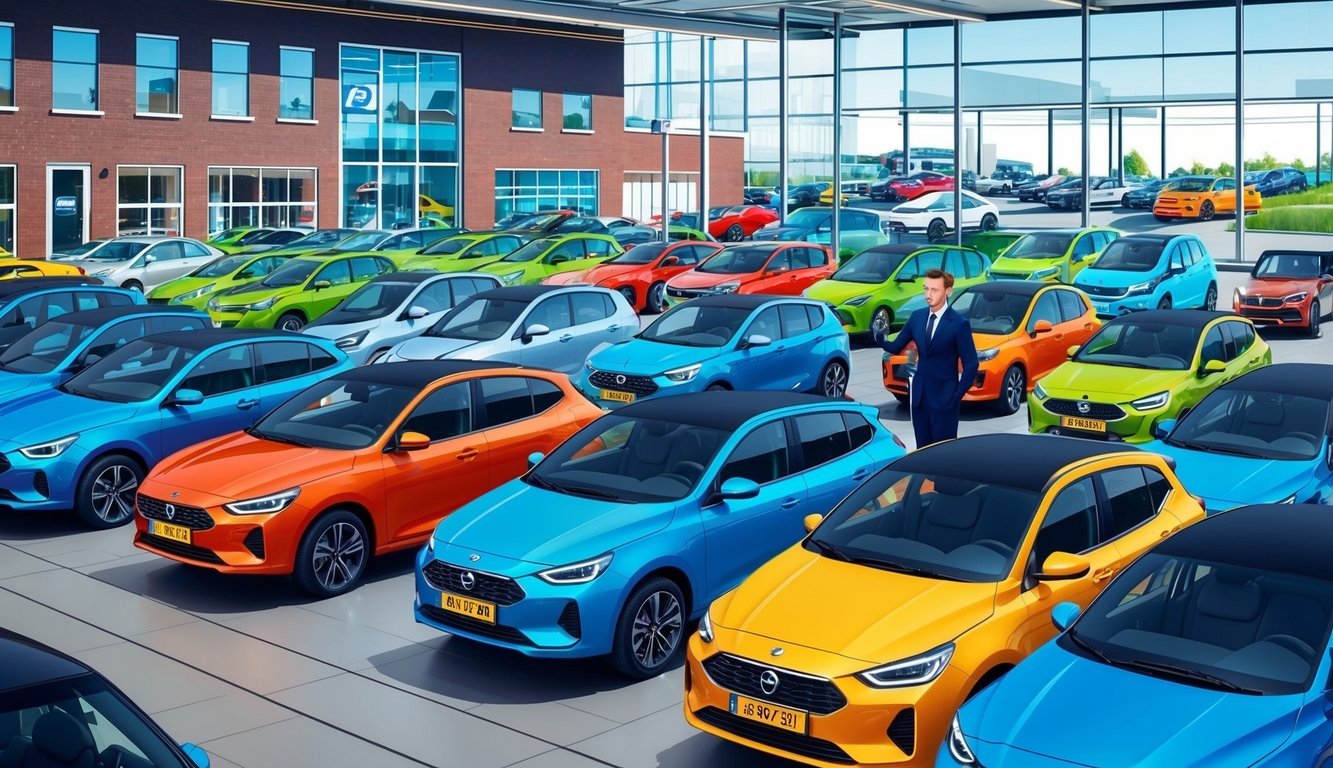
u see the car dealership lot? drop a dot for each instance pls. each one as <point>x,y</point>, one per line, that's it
<point>256,672</point>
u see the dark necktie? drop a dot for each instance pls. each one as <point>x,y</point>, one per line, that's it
<point>930,329</point>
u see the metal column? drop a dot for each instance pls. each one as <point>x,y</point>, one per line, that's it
<point>782,115</point>
<point>705,87</point>
<point>1164,172</point>
<point>1120,144</point>
<point>957,132</point>
<point>1084,215</point>
<point>980,141</point>
<point>835,231</point>
<point>666,184</point>
<point>1240,130</point>
<point>1050,142</point>
<point>1318,138</point>
<point>906,116</point>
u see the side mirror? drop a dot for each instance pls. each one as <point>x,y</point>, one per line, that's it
<point>149,259</point>
<point>1163,428</point>
<point>901,278</point>
<point>1211,367</point>
<point>756,340</point>
<point>416,313</point>
<point>1326,278</point>
<point>321,285</point>
<point>1072,351</point>
<point>533,331</point>
<point>738,488</point>
<point>812,522</point>
<point>1063,614</point>
<point>412,441</point>
<point>196,754</point>
<point>1062,566</point>
<point>1042,326</point>
<point>87,360</point>
<point>671,261</point>
<point>186,397</point>
<point>535,458</point>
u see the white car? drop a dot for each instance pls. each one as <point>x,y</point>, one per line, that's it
<point>1002,183</point>
<point>932,213</point>
<point>143,262</point>
<point>1105,191</point>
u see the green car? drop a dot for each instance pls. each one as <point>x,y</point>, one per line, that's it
<point>873,287</point>
<point>1053,255</point>
<point>296,293</point>
<point>231,235</point>
<point>548,256</point>
<point>320,239</point>
<point>1141,368</point>
<point>994,242</point>
<point>465,252</point>
<point>407,244</point>
<point>220,274</point>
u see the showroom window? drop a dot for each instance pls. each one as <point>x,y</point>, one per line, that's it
<point>296,90</point>
<point>74,69</point>
<point>231,79</point>
<point>527,109</point>
<point>156,80</point>
<point>6,64</point>
<point>519,190</point>
<point>7,211</point>
<point>148,199</point>
<point>578,112</point>
<point>261,197</point>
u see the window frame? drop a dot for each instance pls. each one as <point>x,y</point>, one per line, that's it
<point>96,65</point>
<point>194,365</point>
<point>149,206</point>
<point>565,113</point>
<point>223,210</point>
<point>792,452</point>
<point>12,208</point>
<point>513,102</point>
<point>12,106</point>
<point>472,411</point>
<point>794,437</point>
<point>213,85</point>
<point>175,111</point>
<point>309,80</point>
<point>1104,513</point>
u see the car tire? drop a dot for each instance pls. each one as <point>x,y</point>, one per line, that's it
<point>1124,202</point>
<point>1165,303</point>
<point>989,223</point>
<point>833,380</point>
<point>333,554</point>
<point>1207,211</point>
<point>734,234</point>
<point>1210,298</point>
<point>132,285</point>
<point>105,495</point>
<point>717,386</point>
<point>1004,190</point>
<point>902,399</point>
<point>291,321</point>
<point>628,292</point>
<point>655,302</point>
<point>935,230</point>
<point>1316,314</point>
<point>657,606</point>
<point>1013,391</point>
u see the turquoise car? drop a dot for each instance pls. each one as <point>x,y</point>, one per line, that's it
<point>1156,271</point>
<point>859,229</point>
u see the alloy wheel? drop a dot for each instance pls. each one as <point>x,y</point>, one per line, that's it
<point>1014,390</point>
<point>340,553</point>
<point>113,493</point>
<point>657,629</point>
<point>834,381</point>
<point>657,297</point>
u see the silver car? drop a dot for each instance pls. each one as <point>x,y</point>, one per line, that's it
<point>142,263</point>
<point>395,307</point>
<point>538,326</point>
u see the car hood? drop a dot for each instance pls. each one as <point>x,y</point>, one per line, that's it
<point>839,291</point>
<point>1112,278</point>
<point>49,414</point>
<point>1042,706</point>
<point>1109,383</point>
<point>238,466</point>
<point>694,279</point>
<point>781,233</point>
<point>568,278</point>
<point>612,272</point>
<point>94,265</point>
<point>523,522</point>
<point>250,293</point>
<point>1025,266</point>
<point>866,615</point>
<point>431,347</point>
<point>173,288</point>
<point>11,384</point>
<point>1226,481</point>
<point>1279,287</point>
<point>649,358</point>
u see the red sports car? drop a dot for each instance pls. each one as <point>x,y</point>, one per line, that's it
<point>641,272</point>
<point>918,184</point>
<point>1291,288</point>
<point>728,223</point>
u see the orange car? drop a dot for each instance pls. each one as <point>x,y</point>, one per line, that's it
<point>642,271</point>
<point>365,462</point>
<point>1202,197</point>
<point>1023,330</point>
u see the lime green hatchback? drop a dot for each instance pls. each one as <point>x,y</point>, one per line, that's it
<point>465,252</point>
<point>194,289</point>
<point>1053,255</point>
<point>296,293</point>
<point>548,256</point>
<point>1142,368</point>
<point>872,287</point>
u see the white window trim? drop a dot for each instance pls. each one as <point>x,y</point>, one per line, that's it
<point>584,131</point>
<point>523,129</point>
<point>246,43</point>
<point>233,118</point>
<point>9,109</point>
<point>295,48</point>
<point>261,205</point>
<point>180,206</point>
<point>297,121</point>
<point>76,112</point>
<point>13,207</point>
<point>74,29</point>
<point>158,37</point>
<point>160,115</point>
<point>249,73</point>
<point>14,90</point>
<point>177,40</point>
<point>97,78</point>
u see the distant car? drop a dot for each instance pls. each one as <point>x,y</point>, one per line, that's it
<point>1001,182</point>
<point>780,268</point>
<point>1036,188</point>
<point>13,269</point>
<point>539,326</point>
<point>270,240</point>
<point>859,229</point>
<point>256,236</point>
<point>297,292</point>
<point>1202,198</point>
<point>918,184</point>
<point>464,252</point>
<point>233,235</point>
<point>1105,191</point>
<point>550,255</point>
<point>804,195</point>
<point>732,223</point>
<point>617,222</point>
<point>758,195</point>
<point>28,303</point>
<point>932,214</point>
<point>144,262</point>
<point>195,288</point>
<point>320,239</point>
<point>58,712</point>
<point>404,245</point>
<point>1150,271</point>
<point>1277,182</point>
<point>993,243</point>
<point>641,273</point>
<point>1288,288</point>
<point>826,197</point>
<point>1055,255</point>
<point>78,251</point>
<point>1144,196</point>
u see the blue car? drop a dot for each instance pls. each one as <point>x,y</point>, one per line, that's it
<point>629,529</point>
<point>87,444</point>
<point>741,342</point>
<point>1150,272</point>
<point>59,348</point>
<point>1210,650</point>
<point>28,302</point>
<point>1261,438</point>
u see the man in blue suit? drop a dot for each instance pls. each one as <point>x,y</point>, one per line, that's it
<point>943,340</point>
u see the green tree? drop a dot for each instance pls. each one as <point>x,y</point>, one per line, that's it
<point>1063,171</point>
<point>1135,165</point>
<point>1299,165</point>
<point>1198,169</point>
<point>1226,169</point>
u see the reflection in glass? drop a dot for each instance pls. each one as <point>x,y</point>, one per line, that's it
<point>439,108</point>
<point>398,104</point>
<point>74,70</point>
<point>155,75</point>
<point>527,109</point>
<point>6,66</point>
<point>231,79</point>
<point>296,94</point>
<point>578,111</point>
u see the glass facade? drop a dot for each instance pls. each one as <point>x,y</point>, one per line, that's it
<point>527,109</point>
<point>578,112</point>
<point>231,79</point>
<point>262,197</point>
<point>148,200</point>
<point>7,207</point>
<point>296,84</point>
<point>6,65</point>
<point>156,83</point>
<point>532,190</point>
<point>73,69</point>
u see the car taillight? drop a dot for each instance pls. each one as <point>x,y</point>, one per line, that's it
<point>81,272</point>
<point>900,442</point>
<point>1199,500</point>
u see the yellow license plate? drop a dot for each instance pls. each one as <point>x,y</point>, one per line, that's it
<point>768,714</point>
<point>1088,425</point>
<point>617,396</point>
<point>168,531</point>
<point>466,606</point>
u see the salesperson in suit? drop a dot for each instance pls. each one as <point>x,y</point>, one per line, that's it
<point>943,341</point>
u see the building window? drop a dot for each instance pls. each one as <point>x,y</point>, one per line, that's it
<point>7,198</point>
<point>74,69</point>
<point>527,109</point>
<point>6,64</point>
<point>529,191</point>
<point>156,75</point>
<point>297,86</point>
<point>578,112</point>
<point>231,79</point>
<point>148,199</point>
<point>261,197</point>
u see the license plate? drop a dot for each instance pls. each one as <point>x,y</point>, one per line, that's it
<point>217,323</point>
<point>768,714</point>
<point>1101,309</point>
<point>168,531</point>
<point>1088,425</point>
<point>617,396</point>
<point>466,606</point>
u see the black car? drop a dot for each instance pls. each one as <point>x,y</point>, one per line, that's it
<point>1277,182</point>
<point>54,711</point>
<point>1039,194</point>
<point>1028,189</point>
<point>1144,196</point>
<point>804,195</point>
<point>758,195</point>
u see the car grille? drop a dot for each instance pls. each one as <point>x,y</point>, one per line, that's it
<point>254,541</point>
<point>468,624</point>
<point>159,301</point>
<point>902,731</point>
<point>41,484</point>
<point>1260,301</point>
<point>996,275</point>
<point>812,694</point>
<point>795,743</point>
<point>500,590</point>
<point>1104,291</point>
<point>233,308</point>
<point>686,293</point>
<point>639,385</point>
<point>1101,411</point>
<point>569,620</point>
<point>193,518</point>
<point>1273,315</point>
<point>188,551</point>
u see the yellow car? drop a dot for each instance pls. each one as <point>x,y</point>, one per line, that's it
<point>826,197</point>
<point>928,582</point>
<point>11,268</point>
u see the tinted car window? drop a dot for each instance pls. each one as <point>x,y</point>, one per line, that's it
<point>1130,500</point>
<point>319,359</point>
<point>859,430</point>
<point>552,312</point>
<point>976,266</point>
<point>823,438</point>
<point>444,413</point>
<point>768,323</point>
<point>225,370</point>
<point>166,251</point>
<point>1214,345</point>
<point>436,296</point>
<point>364,269</point>
<point>588,307</point>
<point>1158,486</point>
<point>505,399</point>
<point>1071,305</point>
<point>1070,524</point>
<point>814,316</point>
<point>337,273</point>
<point>279,360</point>
<point>953,263</point>
<point>597,247</point>
<point>105,298</point>
<point>193,250</point>
<point>799,258</point>
<point>761,456</point>
<point>794,320</point>
<point>1047,308</point>
<point>544,394</point>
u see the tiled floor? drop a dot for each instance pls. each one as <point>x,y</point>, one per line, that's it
<point>260,675</point>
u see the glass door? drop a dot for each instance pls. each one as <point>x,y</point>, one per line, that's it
<point>66,206</point>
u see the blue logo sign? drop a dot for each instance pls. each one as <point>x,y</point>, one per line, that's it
<point>360,99</point>
<point>66,205</point>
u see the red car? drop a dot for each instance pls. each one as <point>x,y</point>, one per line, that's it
<point>737,222</point>
<point>641,272</point>
<point>918,184</point>
<point>1289,288</point>
<point>784,269</point>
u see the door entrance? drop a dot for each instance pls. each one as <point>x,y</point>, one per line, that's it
<point>66,206</point>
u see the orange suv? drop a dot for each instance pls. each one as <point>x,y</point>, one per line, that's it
<point>1202,198</point>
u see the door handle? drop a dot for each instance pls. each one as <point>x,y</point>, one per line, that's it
<point>1103,575</point>
<point>566,338</point>
<point>613,327</point>
<point>1168,532</point>
<point>246,405</point>
<point>468,454</point>
<point>789,503</point>
<point>861,473</point>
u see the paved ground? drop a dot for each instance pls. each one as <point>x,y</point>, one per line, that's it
<point>261,676</point>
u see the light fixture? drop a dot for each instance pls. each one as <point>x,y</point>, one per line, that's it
<point>1074,4</point>
<point>923,11</point>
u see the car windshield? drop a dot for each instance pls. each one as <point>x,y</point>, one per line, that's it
<point>690,220</point>
<point>118,250</point>
<point>736,260</point>
<point>253,236</point>
<point>294,272</point>
<point>1292,266</point>
<point>338,414</point>
<point>1209,623</point>
<point>276,237</point>
<point>692,325</point>
<point>935,525</point>
<point>319,238</point>
<point>993,312</point>
<point>809,218</point>
<point>624,459</point>
<point>447,246</point>
<point>531,251</point>
<point>80,250</point>
<point>479,319</point>
<point>1262,425</point>
<point>538,221</point>
<point>133,373</point>
<point>1252,176</point>
<point>1130,255</point>
<point>639,254</point>
<point>362,242</point>
<point>228,234</point>
<point>41,350</point>
<point>1192,185</point>
<point>870,267</point>
<point>223,266</point>
<point>370,301</point>
<point>1040,245</point>
<point>1131,343</point>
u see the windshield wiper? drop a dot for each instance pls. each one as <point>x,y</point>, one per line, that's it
<point>831,551</point>
<point>595,493</point>
<point>900,568</point>
<point>1076,639</point>
<point>1185,673</point>
<point>254,432</point>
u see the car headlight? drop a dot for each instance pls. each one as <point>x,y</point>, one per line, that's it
<point>578,573</point>
<point>958,747</point>
<point>48,450</point>
<point>1038,392</point>
<point>512,277</point>
<point>858,301</point>
<point>683,374</point>
<point>213,303</point>
<point>352,340</point>
<point>1042,274</point>
<point>196,293</point>
<point>587,366</point>
<point>987,354</point>
<point>731,287</point>
<point>260,306</point>
<point>917,670</point>
<point>1141,288</point>
<point>264,504</point>
<point>1152,402</point>
<point>430,546</point>
<point>1296,298</point>
<point>706,628</point>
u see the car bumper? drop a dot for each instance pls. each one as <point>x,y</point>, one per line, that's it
<point>1293,314</point>
<point>43,484</point>
<point>1134,427</point>
<point>1112,308</point>
<point>661,387</point>
<point>244,319</point>
<point>219,540</point>
<point>985,387</point>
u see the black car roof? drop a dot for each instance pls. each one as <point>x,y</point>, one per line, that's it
<point>28,662</point>
<point>416,373</point>
<point>718,409</point>
<point>209,337</point>
<point>96,317</point>
<point>520,292</point>
<point>739,301</point>
<point>10,288</point>
<point>1027,462</point>
<point>1280,538</point>
<point>1191,318</point>
<point>1302,379</point>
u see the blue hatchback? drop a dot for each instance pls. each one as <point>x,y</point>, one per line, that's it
<point>88,443</point>
<point>1210,650</point>
<point>636,523</point>
<point>1152,271</point>
<point>741,342</point>
<point>1261,438</point>
<point>30,301</point>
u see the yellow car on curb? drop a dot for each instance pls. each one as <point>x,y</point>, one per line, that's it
<point>11,268</point>
<point>935,577</point>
